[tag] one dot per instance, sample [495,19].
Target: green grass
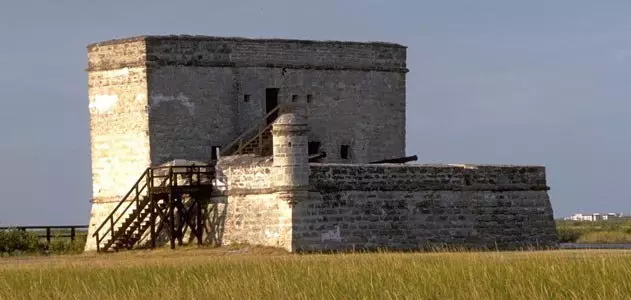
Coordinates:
[600,232]
[258,273]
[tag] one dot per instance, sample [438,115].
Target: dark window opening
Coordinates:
[313,147]
[344,151]
[309,98]
[214,150]
[294,98]
[271,101]
[289,145]
[246,98]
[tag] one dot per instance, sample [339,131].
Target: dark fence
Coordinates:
[48,232]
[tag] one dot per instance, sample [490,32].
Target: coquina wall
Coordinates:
[203,91]
[119,125]
[254,215]
[404,207]
[415,206]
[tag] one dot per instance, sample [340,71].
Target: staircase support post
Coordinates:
[170,207]
[181,214]
[98,242]
[152,219]
[152,209]
[200,230]
[172,220]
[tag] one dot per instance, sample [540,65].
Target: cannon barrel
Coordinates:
[400,160]
[315,157]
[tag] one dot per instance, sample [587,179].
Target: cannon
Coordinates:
[400,160]
[316,157]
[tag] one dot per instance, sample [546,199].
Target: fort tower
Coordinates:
[303,128]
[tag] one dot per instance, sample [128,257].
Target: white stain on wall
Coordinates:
[271,234]
[103,103]
[124,72]
[157,99]
[332,235]
[140,97]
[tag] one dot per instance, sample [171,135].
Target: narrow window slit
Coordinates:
[344,151]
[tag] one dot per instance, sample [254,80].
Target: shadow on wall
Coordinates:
[215,221]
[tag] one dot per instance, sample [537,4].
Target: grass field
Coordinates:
[258,273]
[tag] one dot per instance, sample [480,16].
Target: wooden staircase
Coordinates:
[256,140]
[157,202]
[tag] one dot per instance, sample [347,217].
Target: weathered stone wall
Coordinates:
[190,110]
[118,116]
[111,56]
[119,130]
[411,207]
[356,90]
[254,214]
[362,109]
[205,91]
[284,53]
[119,125]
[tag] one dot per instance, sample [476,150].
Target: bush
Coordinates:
[66,246]
[15,241]
[568,235]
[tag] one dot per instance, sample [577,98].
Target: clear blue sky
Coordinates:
[519,82]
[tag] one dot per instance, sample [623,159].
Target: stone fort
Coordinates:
[294,144]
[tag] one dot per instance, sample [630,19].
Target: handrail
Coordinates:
[120,203]
[169,180]
[257,125]
[251,140]
[182,172]
[112,221]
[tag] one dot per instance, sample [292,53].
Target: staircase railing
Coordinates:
[247,137]
[196,175]
[258,137]
[141,195]
[137,189]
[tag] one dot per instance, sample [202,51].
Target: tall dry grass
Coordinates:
[252,274]
[605,237]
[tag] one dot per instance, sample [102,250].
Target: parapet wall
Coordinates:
[232,51]
[394,177]
[410,207]
[402,207]
[109,56]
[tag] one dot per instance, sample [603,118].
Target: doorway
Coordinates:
[271,101]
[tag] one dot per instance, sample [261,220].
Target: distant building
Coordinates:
[594,217]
